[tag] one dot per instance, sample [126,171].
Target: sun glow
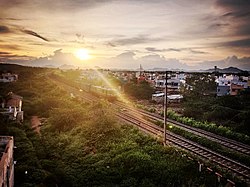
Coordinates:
[82,54]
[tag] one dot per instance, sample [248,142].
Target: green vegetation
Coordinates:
[205,125]
[82,145]
[211,145]
[202,104]
[212,127]
[141,90]
[205,142]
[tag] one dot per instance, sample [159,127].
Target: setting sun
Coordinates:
[82,54]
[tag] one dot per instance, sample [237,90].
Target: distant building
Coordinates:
[8,77]
[173,85]
[223,90]
[11,107]
[235,89]
[159,98]
[160,83]
[231,84]
[6,163]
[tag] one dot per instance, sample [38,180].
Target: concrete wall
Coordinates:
[6,163]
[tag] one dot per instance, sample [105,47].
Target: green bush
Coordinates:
[212,127]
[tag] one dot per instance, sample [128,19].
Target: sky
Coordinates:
[179,34]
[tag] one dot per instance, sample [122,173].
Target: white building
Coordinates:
[8,77]
[227,84]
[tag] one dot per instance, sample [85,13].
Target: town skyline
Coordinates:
[124,34]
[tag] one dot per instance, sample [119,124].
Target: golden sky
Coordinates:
[184,34]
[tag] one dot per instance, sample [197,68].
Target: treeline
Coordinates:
[82,144]
[139,90]
[202,104]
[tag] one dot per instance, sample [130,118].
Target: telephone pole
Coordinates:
[165,107]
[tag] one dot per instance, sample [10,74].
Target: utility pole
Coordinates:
[165,108]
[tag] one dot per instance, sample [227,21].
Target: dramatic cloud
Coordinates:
[35,34]
[4,29]
[154,33]
[238,13]
[126,60]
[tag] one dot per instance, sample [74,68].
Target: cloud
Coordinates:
[127,55]
[129,60]
[152,49]
[126,60]
[244,43]
[7,57]
[49,5]
[232,4]
[17,29]
[12,19]
[237,13]
[35,34]
[141,39]
[110,44]
[80,36]
[10,55]
[10,47]
[4,53]
[57,59]
[4,29]
[197,52]
[218,25]
[231,61]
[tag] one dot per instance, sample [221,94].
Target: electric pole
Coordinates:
[165,107]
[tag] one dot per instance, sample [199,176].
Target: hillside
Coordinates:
[226,70]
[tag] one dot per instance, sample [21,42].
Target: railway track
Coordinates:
[229,143]
[204,153]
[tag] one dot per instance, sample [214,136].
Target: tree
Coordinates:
[141,90]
